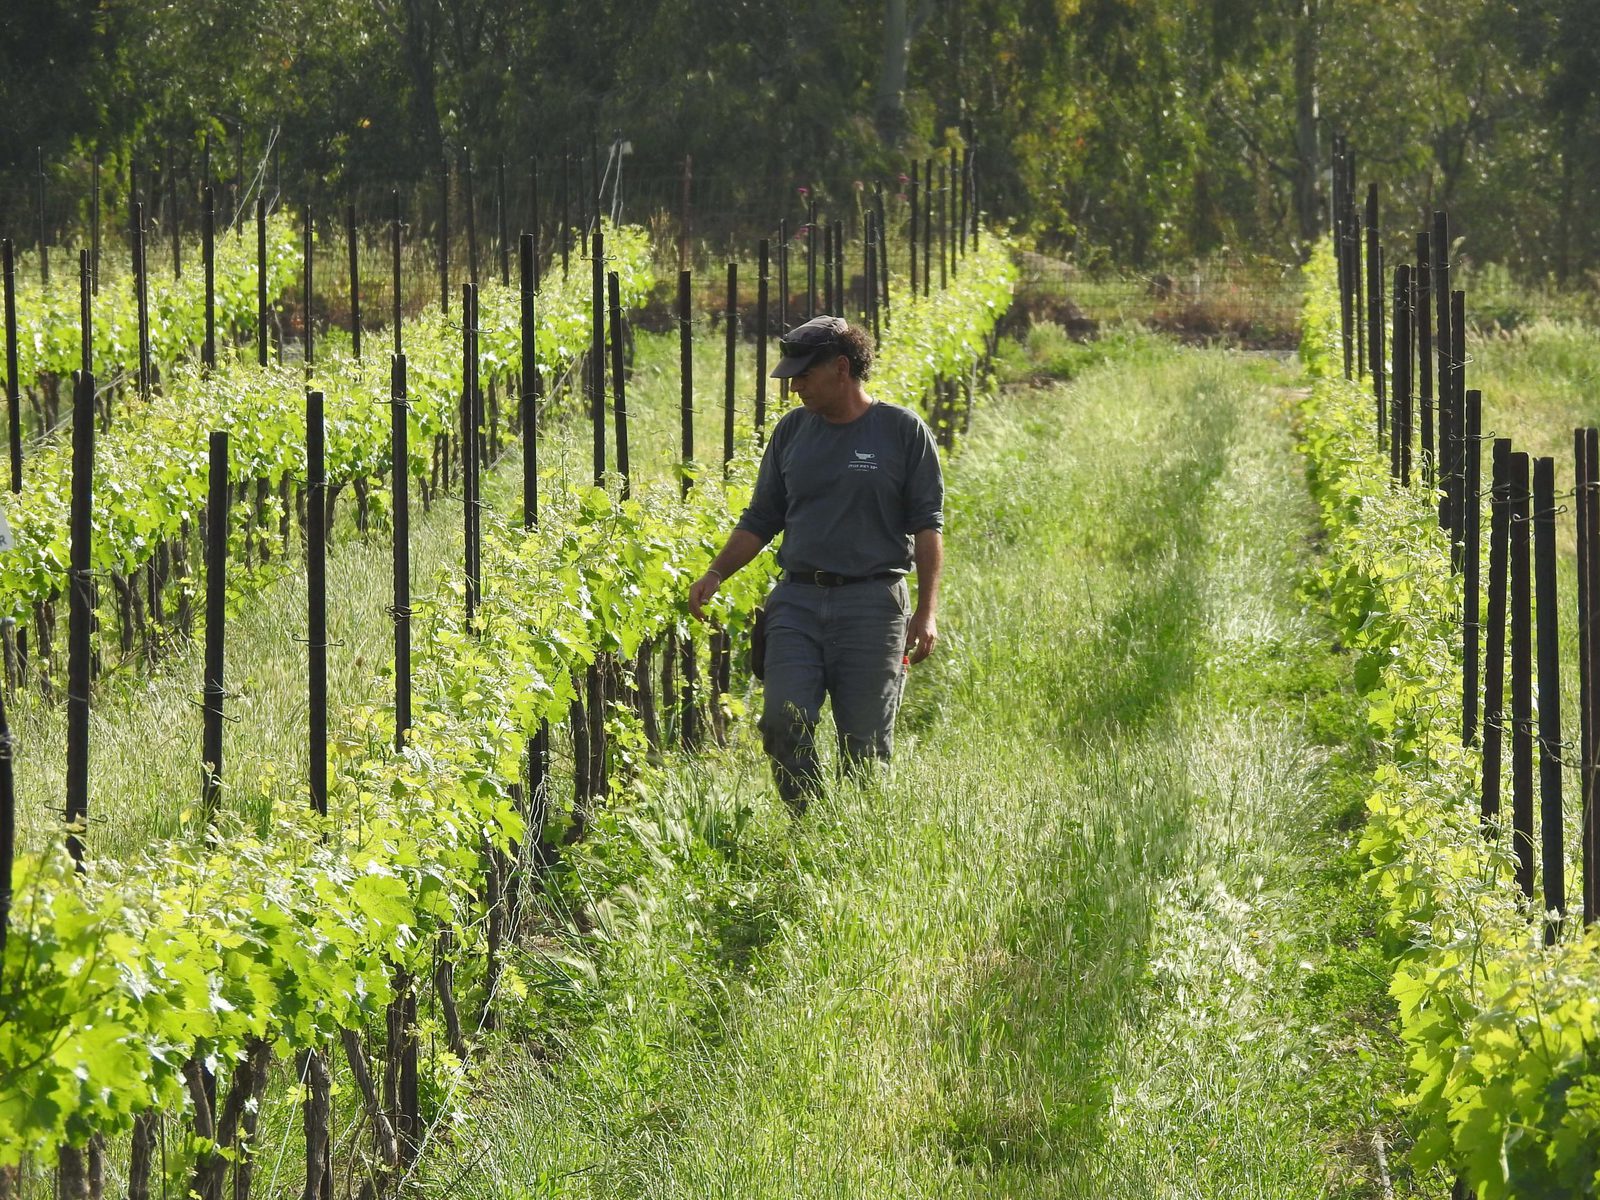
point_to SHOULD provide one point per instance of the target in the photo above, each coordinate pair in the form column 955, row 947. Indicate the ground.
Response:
column 1099, row 933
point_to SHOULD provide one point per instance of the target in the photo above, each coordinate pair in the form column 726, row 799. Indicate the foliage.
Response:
column 150, row 475
column 1503, row 1031
column 50, row 334
column 113, row 980
column 1134, row 133
column 935, row 335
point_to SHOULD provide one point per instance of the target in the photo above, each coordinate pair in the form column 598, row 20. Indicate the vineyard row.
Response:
column 1495, row 975
column 171, row 982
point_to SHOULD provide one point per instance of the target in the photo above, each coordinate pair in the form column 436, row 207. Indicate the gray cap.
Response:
column 805, row 344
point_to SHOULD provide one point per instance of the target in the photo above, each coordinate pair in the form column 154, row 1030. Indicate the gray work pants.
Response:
column 845, row 642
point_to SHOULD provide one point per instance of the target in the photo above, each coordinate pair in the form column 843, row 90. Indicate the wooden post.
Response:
column 1583, row 479
column 597, row 355
column 309, row 263
column 8, row 267
column 1553, row 856
column 619, row 383
column 261, row 288
column 444, row 236
column 761, row 342
column 354, row 246
column 472, row 224
column 685, row 380
column 729, row 380
column 532, row 384
column 1421, row 304
column 217, row 506
column 1521, row 678
column 1471, row 516
column 397, row 309
column 80, row 580
column 1590, row 499
column 94, row 225
column 916, row 181
column 317, row 601
column 469, row 446
column 208, row 251
column 1494, row 679
column 1375, row 335
column 400, row 476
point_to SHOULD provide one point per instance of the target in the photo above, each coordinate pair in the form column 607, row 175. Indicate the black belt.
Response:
column 831, row 579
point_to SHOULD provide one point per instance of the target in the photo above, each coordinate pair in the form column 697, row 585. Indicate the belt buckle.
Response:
column 821, row 578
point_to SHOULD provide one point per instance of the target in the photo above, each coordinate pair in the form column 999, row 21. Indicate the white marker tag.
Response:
column 5, row 532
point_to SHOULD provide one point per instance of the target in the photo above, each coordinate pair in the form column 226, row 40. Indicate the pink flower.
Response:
column 803, row 190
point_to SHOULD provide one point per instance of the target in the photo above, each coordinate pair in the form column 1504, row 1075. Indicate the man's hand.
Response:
column 741, row 548
column 922, row 632
column 701, row 591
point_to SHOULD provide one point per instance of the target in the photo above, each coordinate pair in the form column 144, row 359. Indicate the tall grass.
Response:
column 1090, row 937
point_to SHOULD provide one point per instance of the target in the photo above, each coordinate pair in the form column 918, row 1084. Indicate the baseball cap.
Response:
column 803, row 345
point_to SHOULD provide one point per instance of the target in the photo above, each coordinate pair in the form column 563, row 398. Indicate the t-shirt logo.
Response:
column 864, row 461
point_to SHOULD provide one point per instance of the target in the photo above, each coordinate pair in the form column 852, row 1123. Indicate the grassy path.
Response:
column 1096, row 935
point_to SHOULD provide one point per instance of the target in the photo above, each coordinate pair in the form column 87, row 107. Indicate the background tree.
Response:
column 1117, row 131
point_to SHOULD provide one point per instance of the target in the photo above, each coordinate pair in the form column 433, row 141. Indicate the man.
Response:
column 854, row 486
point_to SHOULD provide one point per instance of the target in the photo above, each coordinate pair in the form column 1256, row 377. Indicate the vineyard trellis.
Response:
column 171, row 982
column 1494, row 977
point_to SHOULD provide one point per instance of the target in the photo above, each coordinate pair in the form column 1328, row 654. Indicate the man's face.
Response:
column 819, row 385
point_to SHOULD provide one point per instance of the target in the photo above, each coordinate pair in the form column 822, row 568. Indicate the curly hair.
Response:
column 856, row 345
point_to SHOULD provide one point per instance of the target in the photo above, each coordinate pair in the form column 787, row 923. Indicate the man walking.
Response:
column 854, row 486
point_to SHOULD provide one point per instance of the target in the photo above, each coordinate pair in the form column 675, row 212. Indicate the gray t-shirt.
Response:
column 847, row 498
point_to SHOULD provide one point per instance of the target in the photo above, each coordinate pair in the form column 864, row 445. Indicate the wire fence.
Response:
column 1501, row 302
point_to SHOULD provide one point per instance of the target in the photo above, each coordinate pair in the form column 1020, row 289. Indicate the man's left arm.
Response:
column 923, row 630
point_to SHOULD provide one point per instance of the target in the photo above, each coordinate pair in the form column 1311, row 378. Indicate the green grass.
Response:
column 1495, row 298
column 1097, row 933
column 1538, row 382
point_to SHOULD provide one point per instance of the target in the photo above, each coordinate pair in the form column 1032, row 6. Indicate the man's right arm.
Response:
column 741, row 547
column 762, row 521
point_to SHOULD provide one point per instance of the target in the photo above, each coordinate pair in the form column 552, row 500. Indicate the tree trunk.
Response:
column 1569, row 148
column 316, row 1112
column 248, row 1115
column 419, row 56
column 97, row 1140
column 1307, row 153
column 444, row 986
column 383, row 1135
column 209, row 1164
column 73, row 1174
column 140, row 1156
column 890, row 102
column 645, row 691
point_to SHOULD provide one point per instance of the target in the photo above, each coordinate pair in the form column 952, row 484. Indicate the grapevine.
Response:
column 229, row 936
column 50, row 337
column 1503, row 1032
column 150, row 472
